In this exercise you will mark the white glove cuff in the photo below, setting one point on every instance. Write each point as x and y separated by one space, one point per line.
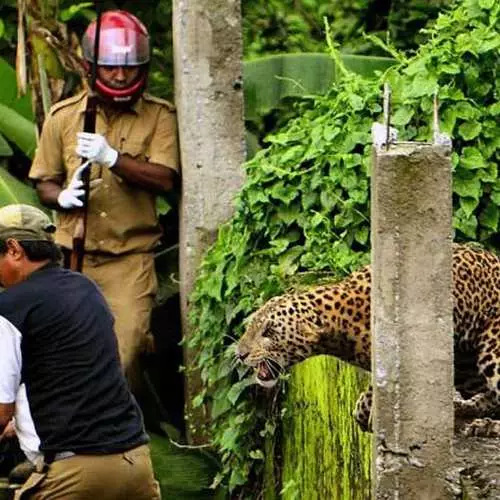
111 158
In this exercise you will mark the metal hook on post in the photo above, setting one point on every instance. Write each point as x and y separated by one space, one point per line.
382 133
437 137
435 121
387 114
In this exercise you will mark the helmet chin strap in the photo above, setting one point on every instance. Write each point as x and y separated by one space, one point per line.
125 96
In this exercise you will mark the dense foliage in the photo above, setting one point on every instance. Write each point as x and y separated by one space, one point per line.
305 205
276 26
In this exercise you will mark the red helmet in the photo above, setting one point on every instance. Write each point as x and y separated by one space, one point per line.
123 41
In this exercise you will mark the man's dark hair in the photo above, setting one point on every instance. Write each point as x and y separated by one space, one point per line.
37 250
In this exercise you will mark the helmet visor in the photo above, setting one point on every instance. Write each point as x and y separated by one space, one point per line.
118 47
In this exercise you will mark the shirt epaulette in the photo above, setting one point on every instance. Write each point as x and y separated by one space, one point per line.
158 100
67 102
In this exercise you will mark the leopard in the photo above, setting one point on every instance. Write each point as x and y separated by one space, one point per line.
334 319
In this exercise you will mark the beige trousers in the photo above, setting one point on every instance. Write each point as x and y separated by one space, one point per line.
121 476
129 285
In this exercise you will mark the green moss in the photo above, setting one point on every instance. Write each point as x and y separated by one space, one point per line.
324 453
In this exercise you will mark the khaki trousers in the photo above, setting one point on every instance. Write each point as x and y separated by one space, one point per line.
129 285
121 476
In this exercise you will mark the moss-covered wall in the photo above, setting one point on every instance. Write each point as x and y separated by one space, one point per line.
325 456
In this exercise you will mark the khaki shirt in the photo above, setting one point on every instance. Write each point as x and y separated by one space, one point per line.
121 217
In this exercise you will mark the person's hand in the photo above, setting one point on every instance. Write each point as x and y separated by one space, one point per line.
95 147
71 196
9 431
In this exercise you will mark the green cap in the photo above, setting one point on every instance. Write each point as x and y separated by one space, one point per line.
25 223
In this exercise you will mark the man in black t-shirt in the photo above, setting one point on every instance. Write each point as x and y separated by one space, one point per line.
60 374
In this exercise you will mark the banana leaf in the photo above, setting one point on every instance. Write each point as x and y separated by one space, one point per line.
270 79
18 130
8 91
13 190
5 149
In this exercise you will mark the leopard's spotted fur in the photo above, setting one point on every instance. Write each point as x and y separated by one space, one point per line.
335 319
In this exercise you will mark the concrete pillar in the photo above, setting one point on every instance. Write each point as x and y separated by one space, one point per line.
209 100
412 321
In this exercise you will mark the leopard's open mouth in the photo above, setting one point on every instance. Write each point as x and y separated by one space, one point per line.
265 374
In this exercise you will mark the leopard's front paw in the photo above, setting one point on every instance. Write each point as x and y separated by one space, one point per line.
363 411
482 427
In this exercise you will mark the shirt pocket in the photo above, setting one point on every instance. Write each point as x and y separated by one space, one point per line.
134 148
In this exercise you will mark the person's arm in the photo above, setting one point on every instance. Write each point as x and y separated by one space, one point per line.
10 370
47 169
6 414
150 176
48 191
158 174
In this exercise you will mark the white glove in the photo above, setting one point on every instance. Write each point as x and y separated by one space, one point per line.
70 197
95 147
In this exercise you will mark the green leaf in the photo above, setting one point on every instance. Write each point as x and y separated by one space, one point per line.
236 389
466 111
469 130
356 102
284 193
270 79
328 199
72 11
361 235
467 188
257 454
163 206
450 68
5 149
468 205
13 190
424 84
18 130
221 405
8 95
288 262
489 217
467 225
402 116
237 478
495 197
472 158
494 109
198 400
289 213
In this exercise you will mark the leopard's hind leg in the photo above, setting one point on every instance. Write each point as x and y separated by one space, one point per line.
487 402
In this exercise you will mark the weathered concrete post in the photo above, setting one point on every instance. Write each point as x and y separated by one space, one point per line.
412 321
209 100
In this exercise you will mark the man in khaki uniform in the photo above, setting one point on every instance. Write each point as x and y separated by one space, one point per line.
134 155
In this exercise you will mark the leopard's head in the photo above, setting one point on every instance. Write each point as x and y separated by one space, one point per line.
279 334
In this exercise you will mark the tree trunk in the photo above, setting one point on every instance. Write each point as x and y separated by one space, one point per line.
325 455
